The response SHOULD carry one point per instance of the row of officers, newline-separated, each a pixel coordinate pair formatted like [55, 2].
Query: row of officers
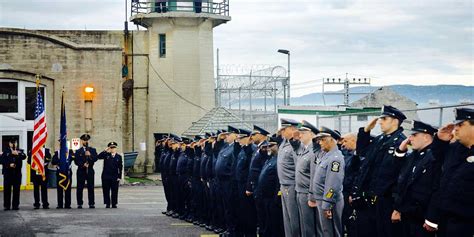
[305, 181]
[84, 158]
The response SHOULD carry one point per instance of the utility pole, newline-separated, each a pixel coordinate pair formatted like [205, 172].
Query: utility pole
[346, 83]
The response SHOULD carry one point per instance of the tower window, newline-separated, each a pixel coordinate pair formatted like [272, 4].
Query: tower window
[162, 45]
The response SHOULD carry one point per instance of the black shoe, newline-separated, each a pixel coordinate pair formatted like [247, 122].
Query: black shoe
[45, 207]
[15, 208]
[114, 206]
[91, 206]
[107, 206]
[208, 227]
[6, 209]
[67, 207]
[169, 213]
[59, 207]
[175, 215]
[36, 208]
[79, 207]
[182, 217]
[202, 225]
[163, 212]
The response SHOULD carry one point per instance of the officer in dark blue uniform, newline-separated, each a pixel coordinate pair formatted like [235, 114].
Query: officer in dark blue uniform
[111, 174]
[375, 187]
[64, 196]
[159, 148]
[172, 175]
[86, 156]
[218, 218]
[12, 160]
[268, 189]
[206, 148]
[258, 136]
[225, 172]
[246, 213]
[184, 181]
[451, 211]
[39, 183]
[419, 179]
[196, 184]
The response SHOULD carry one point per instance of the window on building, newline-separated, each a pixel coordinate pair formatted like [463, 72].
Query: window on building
[30, 101]
[8, 97]
[162, 45]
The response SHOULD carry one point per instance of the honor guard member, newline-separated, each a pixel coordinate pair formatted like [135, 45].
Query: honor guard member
[206, 146]
[85, 158]
[172, 176]
[39, 183]
[352, 165]
[286, 174]
[268, 189]
[246, 213]
[375, 187]
[304, 168]
[225, 172]
[111, 174]
[451, 211]
[64, 196]
[328, 183]
[258, 136]
[219, 210]
[183, 188]
[418, 181]
[12, 161]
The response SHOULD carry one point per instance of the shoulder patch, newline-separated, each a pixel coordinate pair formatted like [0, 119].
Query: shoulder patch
[335, 165]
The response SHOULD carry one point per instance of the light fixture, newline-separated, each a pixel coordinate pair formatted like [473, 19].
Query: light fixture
[89, 89]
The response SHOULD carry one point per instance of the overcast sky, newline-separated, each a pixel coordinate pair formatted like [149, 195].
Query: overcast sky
[423, 42]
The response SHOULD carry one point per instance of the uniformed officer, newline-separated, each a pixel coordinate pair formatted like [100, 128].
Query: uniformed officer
[85, 157]
[63, 196]
[246, 213]
[218, 202]
[184, 182]
[12, 160]
[305, 162]
[451, 211]
[286, 174]
[418, 181]
[172, 176]
[268, 189]
[375, 186]
[111, 174]
[40, 185]
[225, 171]
[352, 166]
[206, 146]
[328, 180]
[258, 136]
[196, 185]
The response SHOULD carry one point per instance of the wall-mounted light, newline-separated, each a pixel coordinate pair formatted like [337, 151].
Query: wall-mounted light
[89, 89]
[88, 97]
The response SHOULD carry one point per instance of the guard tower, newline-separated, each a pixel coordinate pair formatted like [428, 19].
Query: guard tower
[176, 54]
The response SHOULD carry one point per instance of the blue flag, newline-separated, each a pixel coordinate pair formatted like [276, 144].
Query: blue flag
[64, 181]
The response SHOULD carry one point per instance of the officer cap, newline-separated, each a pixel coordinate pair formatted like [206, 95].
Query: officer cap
[419, 126]
[463, 114]
[326, 132]
[85, 137]
[393, 112]
[112, 145]
[259, 130]
[288, 122]
[306, 126]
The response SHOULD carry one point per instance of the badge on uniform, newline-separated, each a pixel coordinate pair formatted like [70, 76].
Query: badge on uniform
[335, 166]
[470, 159]
[330, 194]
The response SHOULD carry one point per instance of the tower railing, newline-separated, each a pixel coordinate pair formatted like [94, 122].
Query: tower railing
[217, 7]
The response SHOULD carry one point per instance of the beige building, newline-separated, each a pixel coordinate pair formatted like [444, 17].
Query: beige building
[155, 80]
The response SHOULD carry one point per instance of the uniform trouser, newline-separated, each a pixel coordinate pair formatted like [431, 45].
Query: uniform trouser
[43, 185]
[172, 183]
[11, 182]
[218, 220]
[307, 216]
[260, 208]
[291, 218]
[196, 199]
[452, 225]
[246, 213]
[164, 181]
[228, 188]
[206, 212]
[110, 186]
[273, 218]
[376, 220]
[348, 224]
[82, 178]
[183, 195]
[64, 196]
[331, 227]
[414, 228]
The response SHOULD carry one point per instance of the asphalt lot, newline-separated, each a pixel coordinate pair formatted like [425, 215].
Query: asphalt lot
[138, 214]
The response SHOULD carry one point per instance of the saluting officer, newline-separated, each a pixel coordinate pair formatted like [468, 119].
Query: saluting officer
[451, 211]
[328, 183]
[12, 160]
[85, 156]
[375, 186]
[304, 168]
[111, 174]
[286, 174]
[39, 183]
[418, 181]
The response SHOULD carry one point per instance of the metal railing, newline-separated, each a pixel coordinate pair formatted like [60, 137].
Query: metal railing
[217, 7]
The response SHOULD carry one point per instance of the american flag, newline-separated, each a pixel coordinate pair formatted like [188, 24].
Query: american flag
[40, 134]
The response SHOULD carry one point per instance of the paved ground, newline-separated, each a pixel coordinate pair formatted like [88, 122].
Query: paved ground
[138, 214]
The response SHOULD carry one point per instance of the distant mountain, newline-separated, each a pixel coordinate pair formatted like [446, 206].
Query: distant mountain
[422, 95]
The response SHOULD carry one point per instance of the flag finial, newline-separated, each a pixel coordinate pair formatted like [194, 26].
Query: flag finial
[38, 78]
